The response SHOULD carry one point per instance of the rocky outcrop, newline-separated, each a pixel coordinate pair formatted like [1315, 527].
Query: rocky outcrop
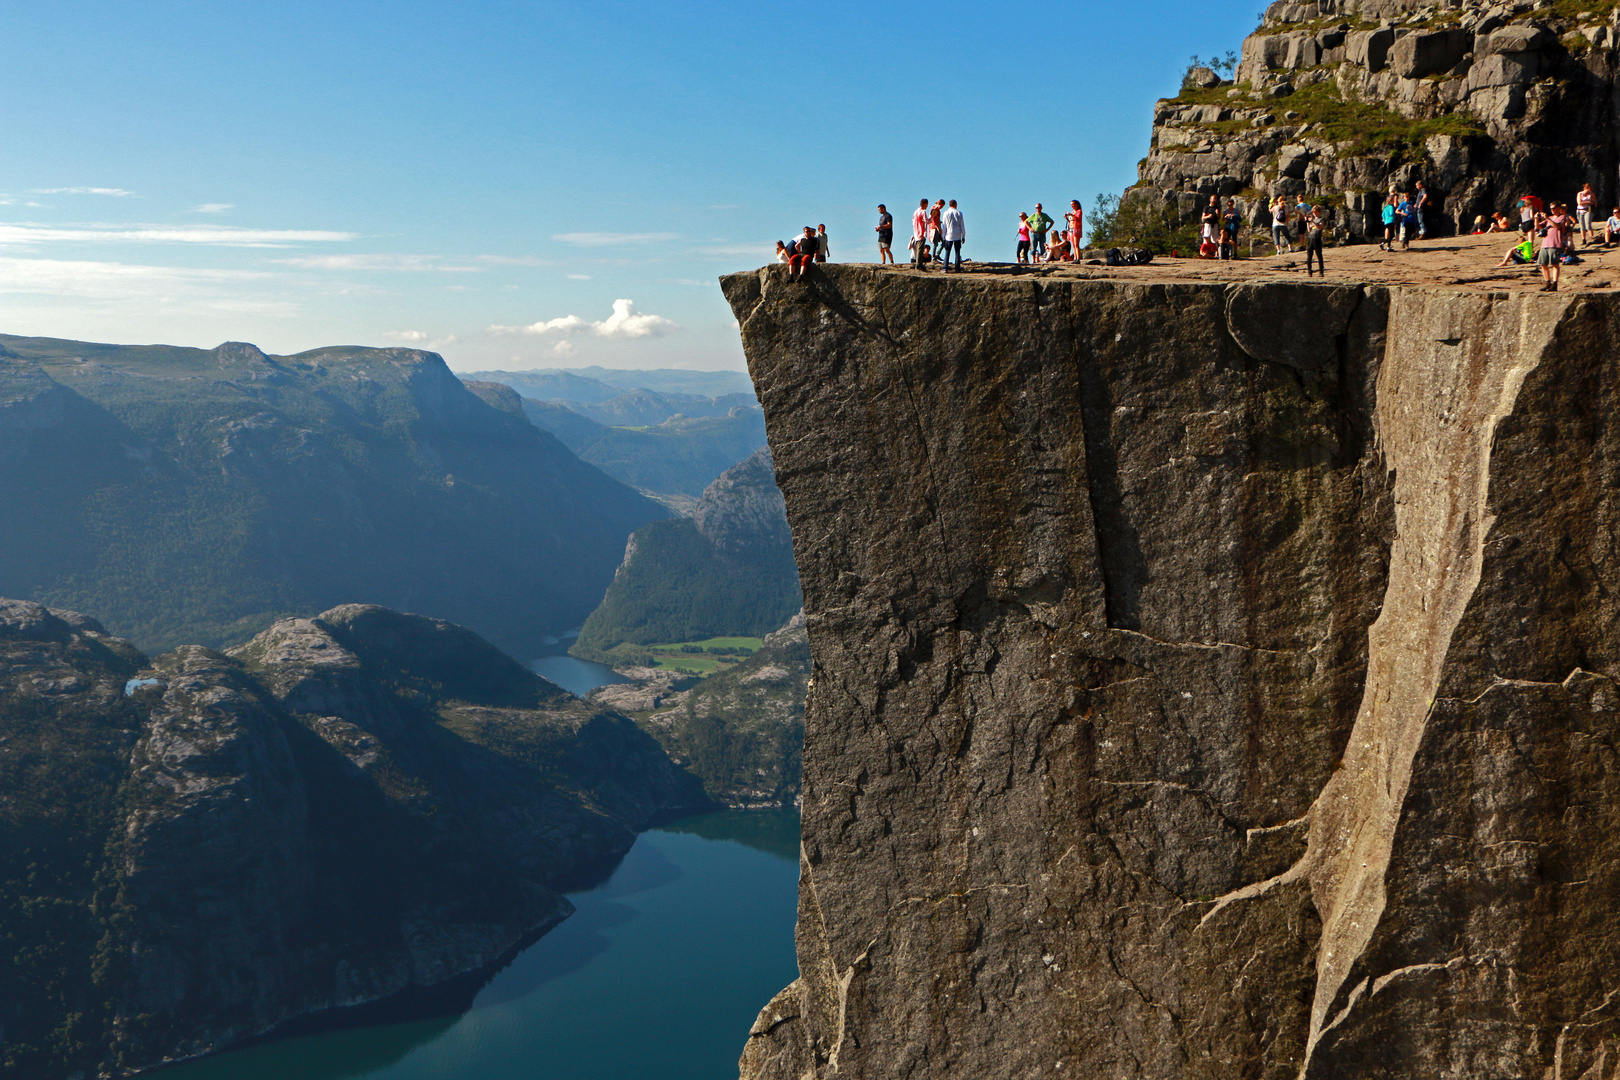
[1208, 680]
[1339, 101]
[198, 848]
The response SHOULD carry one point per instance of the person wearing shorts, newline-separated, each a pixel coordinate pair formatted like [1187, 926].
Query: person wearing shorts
[1583, 211]
[1210, 222]
[1389, 225]
[1279, 226]
[885, 231]
[1076, 217]
[1554, 234]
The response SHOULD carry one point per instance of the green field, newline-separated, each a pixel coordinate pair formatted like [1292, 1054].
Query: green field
[676, 657]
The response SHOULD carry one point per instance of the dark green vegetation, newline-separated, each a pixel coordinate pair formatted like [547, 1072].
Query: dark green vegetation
[349, 807]
[728, 570]
[197, 495]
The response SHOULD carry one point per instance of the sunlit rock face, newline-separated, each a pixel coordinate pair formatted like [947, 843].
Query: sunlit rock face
[1208, 680]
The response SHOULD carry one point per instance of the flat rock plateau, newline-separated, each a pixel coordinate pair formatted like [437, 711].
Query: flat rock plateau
[1213, 670]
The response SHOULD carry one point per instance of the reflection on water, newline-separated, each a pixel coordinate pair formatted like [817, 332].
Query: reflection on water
[578, 677]
[657, 976]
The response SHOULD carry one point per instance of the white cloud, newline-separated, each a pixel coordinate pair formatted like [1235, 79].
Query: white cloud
[213, 208]
[405, 335]
[420, 337]
[563, 348]
[761, 251]
[133, 287]
[625, 322]
[116, 192]
[579, 277]
[598, 239]
[412, 263]
[514, 260]
[221, 235]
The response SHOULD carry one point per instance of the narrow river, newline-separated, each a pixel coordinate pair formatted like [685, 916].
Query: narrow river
[657, 976]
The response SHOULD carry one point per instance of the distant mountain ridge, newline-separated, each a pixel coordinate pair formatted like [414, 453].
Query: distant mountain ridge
[593, 384]
[196, 495]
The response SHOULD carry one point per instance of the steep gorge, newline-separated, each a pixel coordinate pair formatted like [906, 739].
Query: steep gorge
[1209, 679]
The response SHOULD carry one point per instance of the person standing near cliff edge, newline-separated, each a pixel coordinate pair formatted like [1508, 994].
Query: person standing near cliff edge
[1039, 222]
[919, 234]
[821, 243]
[954, 231]
[1313, 240]
[885, 231]
[1076, 218]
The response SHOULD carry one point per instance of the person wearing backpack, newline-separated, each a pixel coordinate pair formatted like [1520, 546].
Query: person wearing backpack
[1279, 226]
[1039, 222]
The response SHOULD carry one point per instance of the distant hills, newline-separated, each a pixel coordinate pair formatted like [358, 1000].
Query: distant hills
[198, 847]
[590, 385]
[667, 443]
[191, 495]
[727, 570]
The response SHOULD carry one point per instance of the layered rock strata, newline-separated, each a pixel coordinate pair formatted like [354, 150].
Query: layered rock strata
[1338, 101]
[1208, 680]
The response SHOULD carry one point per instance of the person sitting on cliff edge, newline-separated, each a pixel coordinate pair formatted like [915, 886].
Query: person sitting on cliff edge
[1611, 228]
[803, 256]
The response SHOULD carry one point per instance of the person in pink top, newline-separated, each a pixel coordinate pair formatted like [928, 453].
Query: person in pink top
[1583, 211]
[1023, 237]
[1077, 227]
[1553, 236]
[919, 234]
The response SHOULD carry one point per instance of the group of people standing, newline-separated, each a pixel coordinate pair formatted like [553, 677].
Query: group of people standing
[1403, 215]
[1039, 242]
[1309, 221]
[937, 235]
[1547, 237]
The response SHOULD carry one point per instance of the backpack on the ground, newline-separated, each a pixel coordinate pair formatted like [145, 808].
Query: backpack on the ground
[1113, 258]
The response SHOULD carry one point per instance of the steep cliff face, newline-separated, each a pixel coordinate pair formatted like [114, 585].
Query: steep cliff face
[1208, 681]
[1338, 101]
[197, 848]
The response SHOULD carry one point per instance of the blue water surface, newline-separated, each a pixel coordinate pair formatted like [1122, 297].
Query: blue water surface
[657, 976]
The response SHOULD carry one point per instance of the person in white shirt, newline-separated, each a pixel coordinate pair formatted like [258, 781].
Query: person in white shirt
[954, 230]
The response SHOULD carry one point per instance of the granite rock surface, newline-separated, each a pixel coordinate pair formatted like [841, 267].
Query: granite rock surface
[1197, 693]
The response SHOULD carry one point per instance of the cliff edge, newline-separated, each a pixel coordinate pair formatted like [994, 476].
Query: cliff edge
[1210, 679]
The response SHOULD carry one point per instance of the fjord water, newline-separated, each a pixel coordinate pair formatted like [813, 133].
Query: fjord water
[658, 976]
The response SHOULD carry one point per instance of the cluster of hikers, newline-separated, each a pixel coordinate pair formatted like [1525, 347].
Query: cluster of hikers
[1547, 234]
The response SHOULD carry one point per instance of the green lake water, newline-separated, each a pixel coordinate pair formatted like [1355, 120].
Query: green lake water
[657, 976]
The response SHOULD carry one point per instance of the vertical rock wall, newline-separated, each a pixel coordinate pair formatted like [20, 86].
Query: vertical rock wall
[1209, 681]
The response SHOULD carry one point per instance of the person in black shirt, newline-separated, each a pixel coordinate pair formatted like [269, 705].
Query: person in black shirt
[803, 255]
[885, 231]
[1230, 224]
[1211, 222]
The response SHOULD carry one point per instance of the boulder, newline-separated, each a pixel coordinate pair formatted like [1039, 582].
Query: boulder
[1203, 78]
[1303, 52]
[1520, 38]
[1369, 48]
[1418, 55]
[1291, 161]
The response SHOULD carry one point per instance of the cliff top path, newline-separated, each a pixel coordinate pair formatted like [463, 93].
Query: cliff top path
[1468, 262]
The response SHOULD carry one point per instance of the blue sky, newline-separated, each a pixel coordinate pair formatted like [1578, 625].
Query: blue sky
[490, 180]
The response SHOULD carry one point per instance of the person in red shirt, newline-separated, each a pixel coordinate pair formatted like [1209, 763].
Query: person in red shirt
[1077, 227]
[1555, 234]
[919, 234]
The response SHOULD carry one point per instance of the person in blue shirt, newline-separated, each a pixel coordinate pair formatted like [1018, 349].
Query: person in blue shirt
[1389, 225]
[1403, 219]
